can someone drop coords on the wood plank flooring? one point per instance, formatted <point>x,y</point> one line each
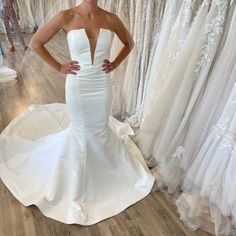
<point>152,216</point>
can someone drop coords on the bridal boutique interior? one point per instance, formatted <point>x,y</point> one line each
<point>176,90</point>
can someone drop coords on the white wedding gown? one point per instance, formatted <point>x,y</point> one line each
<point>209,195</point>
<point>75,161</point>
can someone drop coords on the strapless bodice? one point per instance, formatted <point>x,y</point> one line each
<point>80,48</point>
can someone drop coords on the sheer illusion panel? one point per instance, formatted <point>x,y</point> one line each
<point>91,42</point>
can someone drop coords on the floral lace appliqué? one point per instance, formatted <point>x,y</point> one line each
<point>211,34</point>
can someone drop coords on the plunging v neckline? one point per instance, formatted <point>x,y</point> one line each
<point>92,58</point>
<point>89,42</point>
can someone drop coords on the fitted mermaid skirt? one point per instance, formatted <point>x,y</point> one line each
<point>75,161</point>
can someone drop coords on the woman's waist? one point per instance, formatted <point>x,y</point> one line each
<point>89,66</point>
<point>89,70</point>
<point>88,82</point>
<point>91,73</point>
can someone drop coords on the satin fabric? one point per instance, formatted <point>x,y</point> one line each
<point>75,161</point>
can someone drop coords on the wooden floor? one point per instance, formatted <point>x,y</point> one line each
<point>152,216</point>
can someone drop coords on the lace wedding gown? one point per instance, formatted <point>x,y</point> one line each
<point>209,194</point>
<point>75,161</point>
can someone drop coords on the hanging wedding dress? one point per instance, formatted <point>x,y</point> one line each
<point>195,77</point>
<point>37,12</point>
<point>148,34</point>
<point>162,89</point>
<point>209,196</point>
<point>206,112</point>
<point>175,26</point>
<point>75,161</point>
<point>27,23</point>
<point>147,15</point>
<point>179,92</point>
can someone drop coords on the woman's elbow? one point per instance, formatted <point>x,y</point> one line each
<point>35,43</point>
<point>131,44</point>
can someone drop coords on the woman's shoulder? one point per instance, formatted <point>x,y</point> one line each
<point>111,16</point>
<point>75,13</point>
<point>66,14</point>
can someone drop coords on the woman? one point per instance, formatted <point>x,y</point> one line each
<point>9,12</point>
<point>88,170</point>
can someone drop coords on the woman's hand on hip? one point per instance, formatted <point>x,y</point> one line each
<point>70,68</point>
<point>108,66</point>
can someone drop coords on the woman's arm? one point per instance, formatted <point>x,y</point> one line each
<point>46,33</point>
<point>125,38</point>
